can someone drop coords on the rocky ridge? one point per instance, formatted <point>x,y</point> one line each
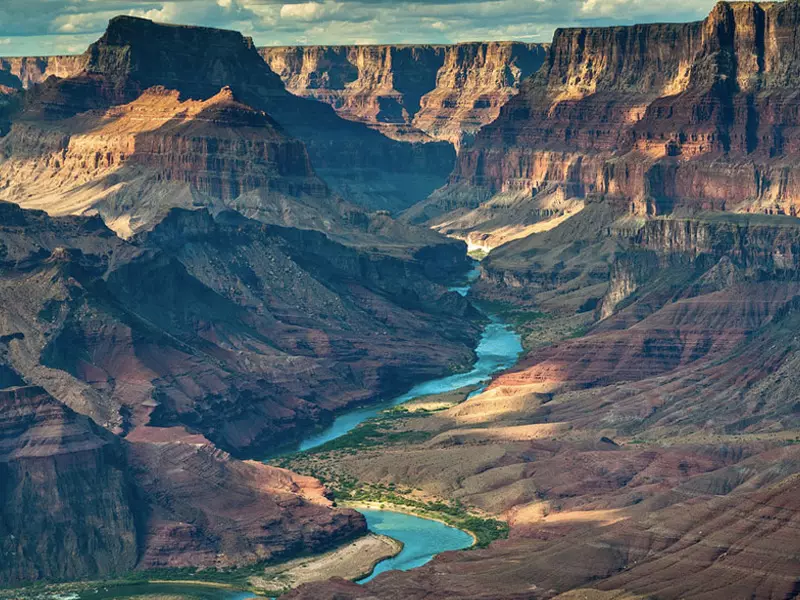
<point>410,92</point>
<point>136,55</point>
<point>658,118</point>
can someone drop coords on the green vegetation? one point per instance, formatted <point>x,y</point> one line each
<point>478,254</point>
<point>198,584</point>
<point>485,530</point>
<point>321,462</point>
<point>515,316</point>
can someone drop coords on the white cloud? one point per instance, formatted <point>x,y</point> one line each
<point>311,11</point>
<point>42,26</point>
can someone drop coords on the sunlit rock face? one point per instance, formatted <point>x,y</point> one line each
<point>410,92</point>
<point>22,72</point>
<point>137,55</point>
<point>700,115</point>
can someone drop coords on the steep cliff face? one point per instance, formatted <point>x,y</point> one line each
<point>135,55</point>
<point>700,115</point>
<point>410,92</point>
<point>474,83</point>
<point>58,469</point>
<point>26,71</point>
<point>80,503</point>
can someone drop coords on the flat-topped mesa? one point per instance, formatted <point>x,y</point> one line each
<point>410,92</point>
<point>701,114</point>
<point>136,54</point>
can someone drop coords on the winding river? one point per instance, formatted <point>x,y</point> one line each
<point>498,349</point>
<point>422,539</point>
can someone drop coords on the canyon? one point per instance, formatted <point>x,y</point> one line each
<point>411,92</point>
<point>209,252</point>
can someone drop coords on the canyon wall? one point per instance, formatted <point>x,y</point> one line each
<point>410,92</point>
<point>135,55</point>
<point>22,72</point>
<point>59,469</point>
<point>81,503</point>
<point>660,117</point>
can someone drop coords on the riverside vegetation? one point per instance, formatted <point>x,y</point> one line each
<point>382,432</point>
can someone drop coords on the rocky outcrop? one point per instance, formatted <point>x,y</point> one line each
<point>25,71</point>
<point>67,497</point>
<point>410,92</point>
<point>474,83</point>
<point>134,162</point>
<point>80,503</point>
<point>264,514</point>
<point>662,117</point>
<point>135,55</point>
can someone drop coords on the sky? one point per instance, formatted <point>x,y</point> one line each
<point>44,27</point>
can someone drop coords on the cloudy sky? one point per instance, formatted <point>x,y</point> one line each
<point>31,27</point>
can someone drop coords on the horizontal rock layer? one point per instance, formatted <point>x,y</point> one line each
<point>445,92</point>
<point>135,55</point>
<point>700,116</point>
<point>79,503</point>
<point>22,72</point>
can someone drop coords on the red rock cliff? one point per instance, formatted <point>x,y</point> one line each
<point>445,92</point>
<point>702,115</point>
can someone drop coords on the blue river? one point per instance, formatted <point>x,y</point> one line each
<point>498,349</point>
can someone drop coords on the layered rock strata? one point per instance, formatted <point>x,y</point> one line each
<point>135,55</point>
<point>660,117</point>
<point>80,503</point>
<point>22,72</point>
<point>407,92</point>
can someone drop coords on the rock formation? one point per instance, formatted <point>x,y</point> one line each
<point>410,92</point>
<point>80,503</point>
<point>204,329</point>
<point>696,116</point>
<point>67,497</point>
<point>206,322</point>
<point>135,55</point>
<point>26,71</point>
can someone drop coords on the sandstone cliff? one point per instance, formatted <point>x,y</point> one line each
<point>26,71</point>
<point>660,117</point>
<point>135,55</point>
<point>410,92</point>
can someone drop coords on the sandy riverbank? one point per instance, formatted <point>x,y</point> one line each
<point>353,561</point>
